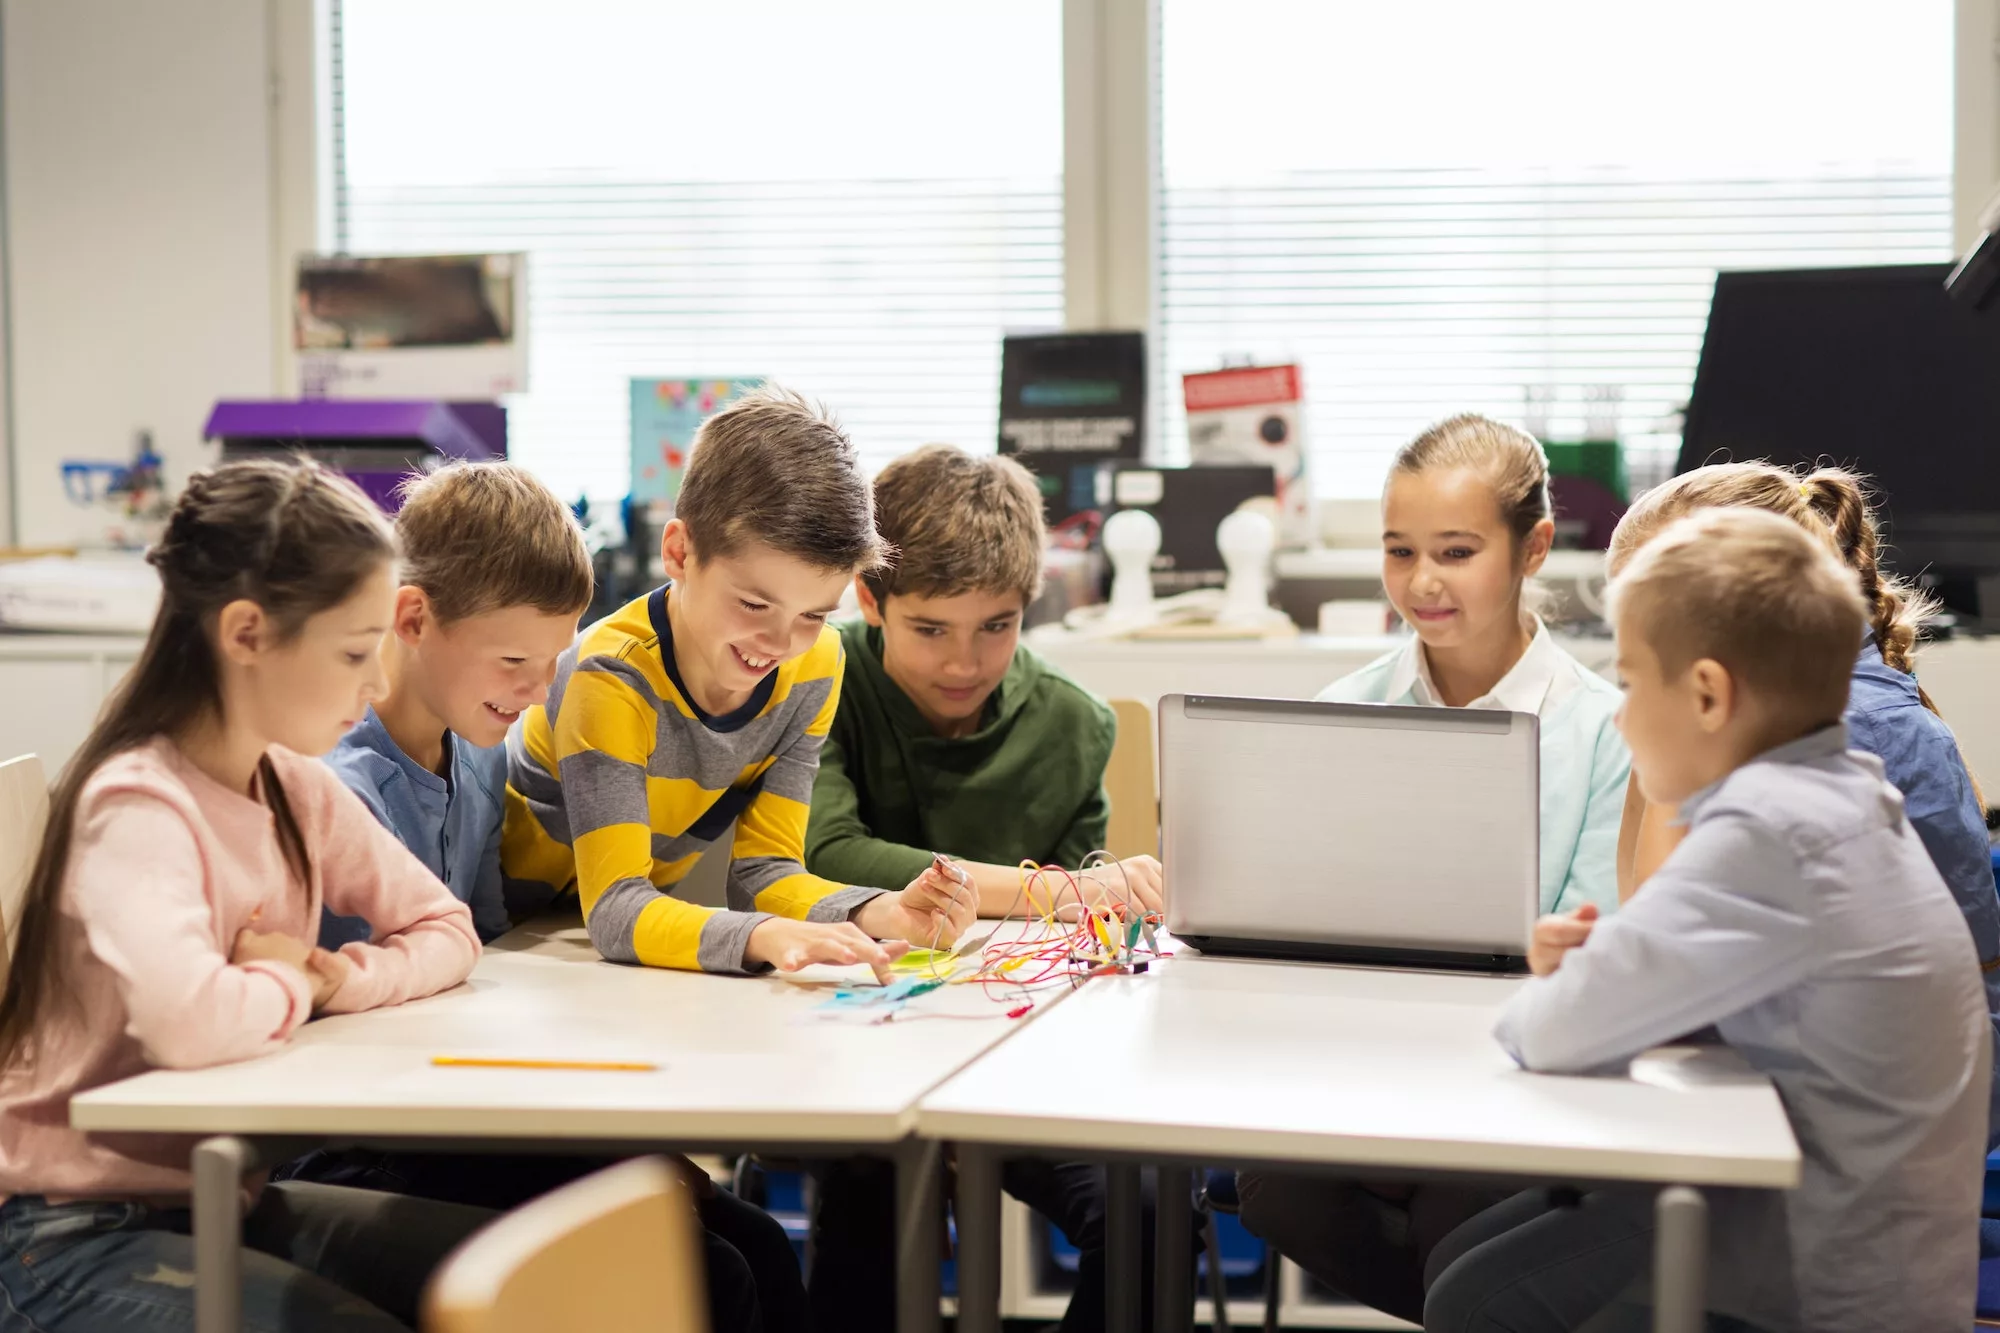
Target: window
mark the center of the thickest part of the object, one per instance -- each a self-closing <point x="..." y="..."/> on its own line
<point x="854" y="199"/>
<point x="1534" y="208"/>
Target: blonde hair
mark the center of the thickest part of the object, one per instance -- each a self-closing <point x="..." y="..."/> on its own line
<point x="1830" y="502"/>
<point x="1762" y="596"/>
<point x="1510" y="459"/>
<point x="481" y="537"/>
<point x="959" y="523"/>
<point x="776" y="469"/>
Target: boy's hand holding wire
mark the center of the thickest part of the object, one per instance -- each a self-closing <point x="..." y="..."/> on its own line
<point x="933" y="911"/>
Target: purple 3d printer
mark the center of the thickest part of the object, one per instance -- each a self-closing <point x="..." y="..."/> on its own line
<point x="376" y="444"/>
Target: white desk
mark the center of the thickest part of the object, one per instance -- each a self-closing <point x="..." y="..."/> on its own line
<point x="1235" y="1063"/>
<point x="737" y="1069"/>
<point x="1962" y="675"/>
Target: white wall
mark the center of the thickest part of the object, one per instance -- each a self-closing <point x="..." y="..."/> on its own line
<point x="147" y="202"/>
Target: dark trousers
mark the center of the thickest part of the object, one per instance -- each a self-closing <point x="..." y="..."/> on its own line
<point x="1526" y="1265"/>
<point x="1369" y="1242"/>
<point x="754" y="1284"/>
<point x="853" y="1287"/>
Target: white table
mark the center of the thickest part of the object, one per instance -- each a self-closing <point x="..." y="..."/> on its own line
<point x="738" y="1069"/>
<point x="1214" y="1062"/>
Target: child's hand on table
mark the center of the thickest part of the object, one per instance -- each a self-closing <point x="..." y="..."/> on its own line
<point x="933" y="911"/>
<point x="1556" y="934"/>
<point x="328" y="972"/>
<point x="323" y="971"/>
<point x="1115" y="884"/>
<point x="790" y="945"/>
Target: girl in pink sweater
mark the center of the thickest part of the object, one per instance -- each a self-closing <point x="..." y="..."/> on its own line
<point x="170" y="919"/>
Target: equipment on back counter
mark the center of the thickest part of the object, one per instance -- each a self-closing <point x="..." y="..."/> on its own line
<point x="1255" y="414"/>
<point x="1189" y="504"/>
<point x="401" y="327"/>
<point x="1069" y="404"/>
<point x="375" y="444"/>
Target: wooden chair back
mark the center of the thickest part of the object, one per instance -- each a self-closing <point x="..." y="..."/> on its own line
<point x="619" y="1251"/>
<point x="24" y="813"/>
<point x="1133" y="782"/>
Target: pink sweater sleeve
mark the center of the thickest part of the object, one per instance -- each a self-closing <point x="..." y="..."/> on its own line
<point x="427" y="943"/>
<point x="137" y="886"/>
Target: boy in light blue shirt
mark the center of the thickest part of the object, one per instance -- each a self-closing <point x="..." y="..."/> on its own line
<point x="494" y="577"/>
<point x="450" y="820"/>
<point x="1803" y="918"/>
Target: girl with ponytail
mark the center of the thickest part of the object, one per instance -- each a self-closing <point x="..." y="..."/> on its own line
<point x="1888" y="713"/>
<point x="1564" y="1264"/>
<point x="170" y="918"/>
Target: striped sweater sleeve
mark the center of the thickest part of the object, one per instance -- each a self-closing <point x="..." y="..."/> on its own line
<point x="767" y="870"/>
<point x="604" y="734"/>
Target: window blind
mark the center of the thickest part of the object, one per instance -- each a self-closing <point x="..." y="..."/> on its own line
<point x="734" y="233"/>
<point x="1413" y="282"/>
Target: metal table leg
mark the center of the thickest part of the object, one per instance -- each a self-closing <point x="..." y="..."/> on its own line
<point x="977" y="1207"/>
<point x="1121" y="1248"/>
<point x="1173" y="1247"/>
<point x="1680" y="1261"/>
<point x="219" y="1165"/>
<point x="917" y="1214"/>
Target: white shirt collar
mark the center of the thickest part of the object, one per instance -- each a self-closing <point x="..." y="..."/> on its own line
<point x="1523" y="689"/>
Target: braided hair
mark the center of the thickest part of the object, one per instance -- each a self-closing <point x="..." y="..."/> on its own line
<point x="1831" y="501"/>
<point x="288" y="535"/>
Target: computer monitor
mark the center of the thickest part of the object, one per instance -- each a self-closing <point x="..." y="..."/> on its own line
<point x="1879" y="370"/>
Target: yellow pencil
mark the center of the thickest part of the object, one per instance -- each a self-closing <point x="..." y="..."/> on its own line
<point x="480" y="1062"/>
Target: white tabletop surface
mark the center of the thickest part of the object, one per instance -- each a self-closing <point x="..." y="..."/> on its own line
<point x="740" y="1060"/>
<point x="1223" y="1061"/>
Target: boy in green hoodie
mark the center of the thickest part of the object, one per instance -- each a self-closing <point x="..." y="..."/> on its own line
<point x="954" y="737"/>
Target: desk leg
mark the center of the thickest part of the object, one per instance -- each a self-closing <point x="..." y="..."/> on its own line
<point x="976" y="1205"/>
<point x="1680" y="1261"/>
<point x="1173" y="1249"/>
<point x="219" y="1165"/>
<point x="917" y="1214"/>
<point x="1122" y="1229"/>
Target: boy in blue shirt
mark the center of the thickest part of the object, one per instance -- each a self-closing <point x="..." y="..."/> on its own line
<point x="494" y="577"/>
<point x="1804" y="920"/>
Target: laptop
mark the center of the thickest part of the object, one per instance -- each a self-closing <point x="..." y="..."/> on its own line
<point x="1351" y="833"/>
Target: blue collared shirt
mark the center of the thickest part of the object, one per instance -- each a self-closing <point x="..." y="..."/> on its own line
<point x="1804" y="919"/>
<point x="1887" y="718"/>
<point x="1584" y="762"/>
<point x="453" y="826"/>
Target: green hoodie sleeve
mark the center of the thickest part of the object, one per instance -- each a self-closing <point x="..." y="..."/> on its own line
<point x="839" y="846"/>
<point x="1092" y="824"/>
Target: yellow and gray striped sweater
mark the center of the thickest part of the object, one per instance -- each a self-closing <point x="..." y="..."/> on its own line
<point x="620" y="782"/>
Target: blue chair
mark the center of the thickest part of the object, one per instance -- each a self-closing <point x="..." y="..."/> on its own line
<point x="1217" y="1198"/>
<point x="1986" y="1310"/>
<point x="783" y="1191"/>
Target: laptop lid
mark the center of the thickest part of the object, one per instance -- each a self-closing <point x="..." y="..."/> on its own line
<point x="1323" y="829"/>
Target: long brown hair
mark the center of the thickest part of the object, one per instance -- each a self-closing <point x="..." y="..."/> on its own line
<point x="1830" y="501"/>
<point x="292" y="537"/>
